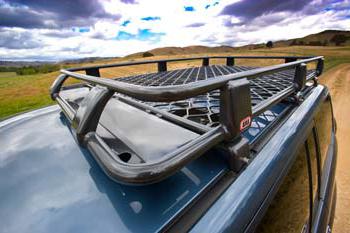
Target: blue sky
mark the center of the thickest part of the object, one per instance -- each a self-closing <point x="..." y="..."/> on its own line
<point x="56" y="30"/>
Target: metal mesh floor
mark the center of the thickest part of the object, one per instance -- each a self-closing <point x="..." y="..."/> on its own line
<point x="204" y="109"/>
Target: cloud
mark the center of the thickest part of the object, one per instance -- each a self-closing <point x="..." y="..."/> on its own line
<point x="269" y="10"/>
<point x="25" y="18"/>
<point x="195" y="25"/>
<point x="18" y="40"/>
<point x="254" y="15"/>
<point x="129" y="1"/>
<point x="250" y="9"/>
<point x="52" y="14"/>
<point x="61" y="33"/>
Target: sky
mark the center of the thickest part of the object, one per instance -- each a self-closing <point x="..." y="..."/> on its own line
<point x="69" y="29"/>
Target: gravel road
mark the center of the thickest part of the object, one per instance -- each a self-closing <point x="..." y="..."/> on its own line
<point x="338" y="81"/>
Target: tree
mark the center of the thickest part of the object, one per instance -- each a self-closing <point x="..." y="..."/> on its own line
<point x="338" y="39"/>
<point x="269" y="44"/>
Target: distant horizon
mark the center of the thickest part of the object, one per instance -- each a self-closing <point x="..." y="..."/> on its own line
<point x="109" y="57"/>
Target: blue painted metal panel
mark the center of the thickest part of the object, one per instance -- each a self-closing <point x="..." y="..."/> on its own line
<point x="48" y="182"/>
<point x="237" y="206"/>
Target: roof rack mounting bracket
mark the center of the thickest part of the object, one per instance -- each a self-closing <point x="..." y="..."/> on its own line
<point x="235" y="107"/>
<point x="88" y="114"/>
<point x="238" y="153"/>
<point x="299" y="81"/>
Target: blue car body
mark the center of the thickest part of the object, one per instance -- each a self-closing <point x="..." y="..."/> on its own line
<point x="49" y="183"/>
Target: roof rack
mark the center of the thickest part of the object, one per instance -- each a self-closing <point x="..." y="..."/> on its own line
<point x="234" y="86"/>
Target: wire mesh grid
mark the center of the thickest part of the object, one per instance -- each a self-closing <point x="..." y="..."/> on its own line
<point x="205" y="108"/>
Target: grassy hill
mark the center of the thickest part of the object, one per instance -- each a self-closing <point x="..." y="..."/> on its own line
<point x="324" y="38"/>
<point x="195" y="49"/>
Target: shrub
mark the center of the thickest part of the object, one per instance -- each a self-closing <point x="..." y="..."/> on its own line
<point x="147" y="54"/>
<point x="43" y="69"/>
<point x="269" y="44"/>
<point x="315" y="43"/>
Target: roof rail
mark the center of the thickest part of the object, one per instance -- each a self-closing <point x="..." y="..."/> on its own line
<point x="236" y="111"/>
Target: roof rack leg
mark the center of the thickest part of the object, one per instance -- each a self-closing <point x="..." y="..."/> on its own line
<point x="235" y="107"/>
<point x="289" y="59"/>
<point x="230" y="61"/>
<point x="235" y="117"/>
<point x="300" y="77"/>
<point x="320" y="66"/>
<point x="88" y="114"/>
<point x="93" y="72"/>
<point x="162" y="66"/>
<point x="299" y="81"/>
<point x="205" y="61"/>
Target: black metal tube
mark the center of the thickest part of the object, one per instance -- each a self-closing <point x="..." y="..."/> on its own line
<point x="178" y="92"/>
<point x="265" y="104"/>
<point x="183" y="59"/>
<point x="147" y="173"/>
<point x="67" y="109"/>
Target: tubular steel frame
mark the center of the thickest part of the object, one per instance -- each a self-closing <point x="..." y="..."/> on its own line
<point x="235" y="111"/>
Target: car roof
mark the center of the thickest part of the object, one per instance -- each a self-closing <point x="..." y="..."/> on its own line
<point x="50" y="182"/>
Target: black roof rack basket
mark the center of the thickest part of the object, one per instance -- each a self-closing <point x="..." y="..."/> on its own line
<point x="237" y="108"/>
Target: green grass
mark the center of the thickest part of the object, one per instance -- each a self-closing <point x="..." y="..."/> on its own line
<point x="7" y="75"/>
<point x="22" y="93"/>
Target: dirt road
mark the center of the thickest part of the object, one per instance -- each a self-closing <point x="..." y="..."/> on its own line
<point x="338" y="81"/>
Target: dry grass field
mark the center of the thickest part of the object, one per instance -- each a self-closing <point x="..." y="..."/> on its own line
<point x="23" y="93"/>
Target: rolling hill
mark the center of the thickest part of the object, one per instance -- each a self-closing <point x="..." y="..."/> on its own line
<point x="324" y="38"/>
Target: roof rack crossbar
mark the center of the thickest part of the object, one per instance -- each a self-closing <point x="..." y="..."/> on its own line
<point x="235" y="114"/>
